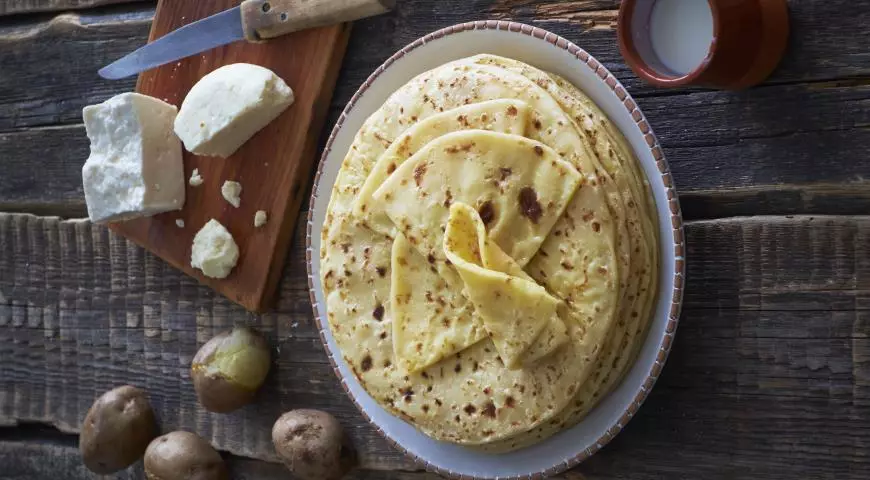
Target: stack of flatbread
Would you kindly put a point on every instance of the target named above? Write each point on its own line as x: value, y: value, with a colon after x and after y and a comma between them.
x: 489, y: 255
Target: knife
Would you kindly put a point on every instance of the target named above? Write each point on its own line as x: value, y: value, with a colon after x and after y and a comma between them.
x: 253, y: 20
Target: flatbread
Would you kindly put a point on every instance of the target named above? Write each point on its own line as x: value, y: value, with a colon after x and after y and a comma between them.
x: 519, y: 186
x: 610, y: 147
x: 586, y: 261
x: 515, y: 310
x: 432, y: 319
x: 501, y: 115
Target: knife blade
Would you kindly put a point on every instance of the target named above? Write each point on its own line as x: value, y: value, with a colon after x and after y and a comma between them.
x: 253, y: 20
x: 199, y: 36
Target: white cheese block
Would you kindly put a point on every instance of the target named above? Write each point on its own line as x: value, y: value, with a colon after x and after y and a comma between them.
x: 214, y: 251
x: 228, y: 106
x: 135, y: 167
x: 232, y: 192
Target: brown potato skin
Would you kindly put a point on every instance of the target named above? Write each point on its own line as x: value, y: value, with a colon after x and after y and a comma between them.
x: 116, y: 430
x: 183, y: 455
x: 312, y: 444
x: 215, y: 392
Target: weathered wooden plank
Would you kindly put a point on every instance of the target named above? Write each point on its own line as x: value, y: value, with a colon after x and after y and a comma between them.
x: 37, y: 457
x: 730, y: 155
x: 43, y: 170
x: 55, y: 61
x: 769, y: 377
x: 49, y: 66
x: 756, y: 152
x: 9, y: 7
x: 852, y: 198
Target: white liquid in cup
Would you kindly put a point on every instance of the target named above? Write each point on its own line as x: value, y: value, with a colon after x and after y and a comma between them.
x: 681, y: 32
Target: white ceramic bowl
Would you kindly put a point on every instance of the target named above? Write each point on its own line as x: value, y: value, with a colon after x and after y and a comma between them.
x: 552, y: 53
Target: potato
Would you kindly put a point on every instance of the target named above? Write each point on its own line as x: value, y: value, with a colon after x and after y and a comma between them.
x: 312, y: 445
x: 229, y: 369
x: 117, y: 430
x: 183, y: 455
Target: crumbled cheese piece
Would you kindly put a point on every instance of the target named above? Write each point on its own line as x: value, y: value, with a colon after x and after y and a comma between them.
x: 260, y: 218
x: 195, y: 178
x: 135, y: 167
x: 228, y: 106
x: 179, y: 223
x: 232, y: 192
x: 214, y: 251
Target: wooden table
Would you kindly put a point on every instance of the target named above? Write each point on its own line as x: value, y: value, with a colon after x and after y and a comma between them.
x: 770, y: 373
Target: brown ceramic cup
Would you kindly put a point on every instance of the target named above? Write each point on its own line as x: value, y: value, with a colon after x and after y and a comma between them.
x: 749, y: 38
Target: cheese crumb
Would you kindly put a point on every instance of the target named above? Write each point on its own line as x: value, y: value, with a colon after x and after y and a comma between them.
x: 232, y: 192
x: 195, y: 179
x: 260, y: 218
x: 214, y: 251
x: 179, y: 223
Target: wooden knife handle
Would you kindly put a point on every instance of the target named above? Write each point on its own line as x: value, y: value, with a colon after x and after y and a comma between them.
x: 263, y: 19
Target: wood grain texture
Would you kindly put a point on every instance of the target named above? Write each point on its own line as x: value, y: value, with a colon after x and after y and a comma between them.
x: 48, y: 69
x: 769, y: 376
x: 826, y: 47
x: 37, y: 458
x: 273, y: 167
x: 732, y: 155
x: 9, y: 7
x: 777, y: 149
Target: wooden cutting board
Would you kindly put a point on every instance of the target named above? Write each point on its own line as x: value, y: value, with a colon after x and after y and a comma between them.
x: 273, y: 167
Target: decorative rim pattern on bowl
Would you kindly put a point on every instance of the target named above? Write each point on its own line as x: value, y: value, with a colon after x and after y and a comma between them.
x: 667, y: 183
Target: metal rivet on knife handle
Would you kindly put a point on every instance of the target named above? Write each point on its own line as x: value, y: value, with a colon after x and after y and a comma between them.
x: 263, y: 19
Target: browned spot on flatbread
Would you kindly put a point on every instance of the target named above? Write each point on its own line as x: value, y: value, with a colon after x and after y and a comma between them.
x: 537, y: 124
x: 529, y: 206
x: 539, y: 150
x: 386, y: 143
x: 469, y: 409
x: 366, y: 363
x: 430, y: 258
x: 465, y: 147
x: 512, y: 111
x: 488, y: 410
x: 486, y: 212
x: 448, y: 198
x: 419, y: 171
x: 509, y: 402
x: 382, y: 272
x: 505, y: 172
x: 378, y: 313
x: 596, y: 226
